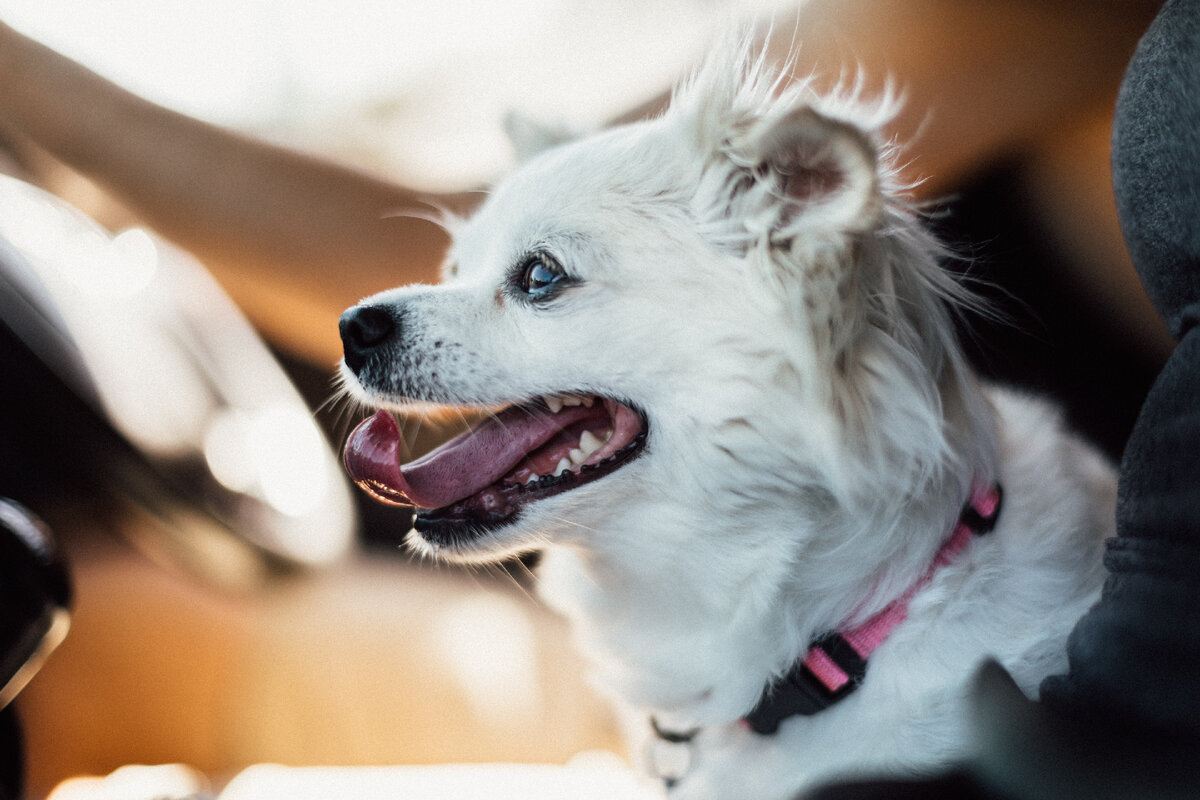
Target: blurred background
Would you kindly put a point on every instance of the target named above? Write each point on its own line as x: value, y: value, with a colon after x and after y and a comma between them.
x: 221, y: 622
x: 413, y: 89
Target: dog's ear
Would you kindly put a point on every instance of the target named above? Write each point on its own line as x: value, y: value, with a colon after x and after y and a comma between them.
x: 530, y: 137
x: 820, y: 172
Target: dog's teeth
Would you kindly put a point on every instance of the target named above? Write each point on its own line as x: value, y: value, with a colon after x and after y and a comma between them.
x: 532, y: 477
x: 564, y: 465
x: 556, y: 402
x: 577, y: 457
x: 589, y: 443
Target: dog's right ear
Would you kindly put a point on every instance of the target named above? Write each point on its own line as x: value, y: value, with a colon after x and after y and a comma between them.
x: 530, y: 137
x: 817, y: 172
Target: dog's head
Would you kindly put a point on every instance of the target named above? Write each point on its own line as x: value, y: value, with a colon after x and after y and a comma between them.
x: 727, y: 301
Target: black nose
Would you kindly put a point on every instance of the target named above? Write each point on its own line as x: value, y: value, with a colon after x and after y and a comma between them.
x: 364, y: 328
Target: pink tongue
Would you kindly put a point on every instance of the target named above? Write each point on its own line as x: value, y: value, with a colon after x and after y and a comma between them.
x: 458, y: 469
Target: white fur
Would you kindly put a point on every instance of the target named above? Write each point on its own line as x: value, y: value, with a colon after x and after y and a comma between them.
x: 752, y: 278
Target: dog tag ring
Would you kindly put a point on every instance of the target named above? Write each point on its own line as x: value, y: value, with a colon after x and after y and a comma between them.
x: 670, y: 753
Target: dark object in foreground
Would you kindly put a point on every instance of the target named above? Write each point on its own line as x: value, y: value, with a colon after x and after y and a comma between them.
x: 35, y: 596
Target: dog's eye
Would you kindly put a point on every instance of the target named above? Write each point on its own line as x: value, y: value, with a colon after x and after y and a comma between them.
x: 540, y: 276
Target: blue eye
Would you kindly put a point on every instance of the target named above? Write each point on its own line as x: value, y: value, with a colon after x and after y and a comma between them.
x: 540, y: 275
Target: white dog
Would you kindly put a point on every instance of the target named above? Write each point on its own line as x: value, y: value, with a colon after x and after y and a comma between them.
x: 729, y: 406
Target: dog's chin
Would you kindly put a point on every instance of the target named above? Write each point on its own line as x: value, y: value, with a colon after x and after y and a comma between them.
x: 475, y: 494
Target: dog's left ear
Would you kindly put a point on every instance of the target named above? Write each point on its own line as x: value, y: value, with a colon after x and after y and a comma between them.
x: 820, y: 172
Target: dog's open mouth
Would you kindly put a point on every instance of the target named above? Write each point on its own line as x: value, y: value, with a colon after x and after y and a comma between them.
x: 484, y: 477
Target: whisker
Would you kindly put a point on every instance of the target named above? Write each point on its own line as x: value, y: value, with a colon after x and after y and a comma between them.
x: 522, y: 576
x: 517, y: 574
x: 573, y: 523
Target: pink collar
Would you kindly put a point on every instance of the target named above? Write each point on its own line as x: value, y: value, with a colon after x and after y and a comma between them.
x: 836, y: 663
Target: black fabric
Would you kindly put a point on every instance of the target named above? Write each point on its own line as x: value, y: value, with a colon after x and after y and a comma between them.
x: 954, y: 786
x: 1137, y: 653
x: 1156, y: 162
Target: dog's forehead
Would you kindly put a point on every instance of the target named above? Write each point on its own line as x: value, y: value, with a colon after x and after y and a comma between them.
x: 580, y: 192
